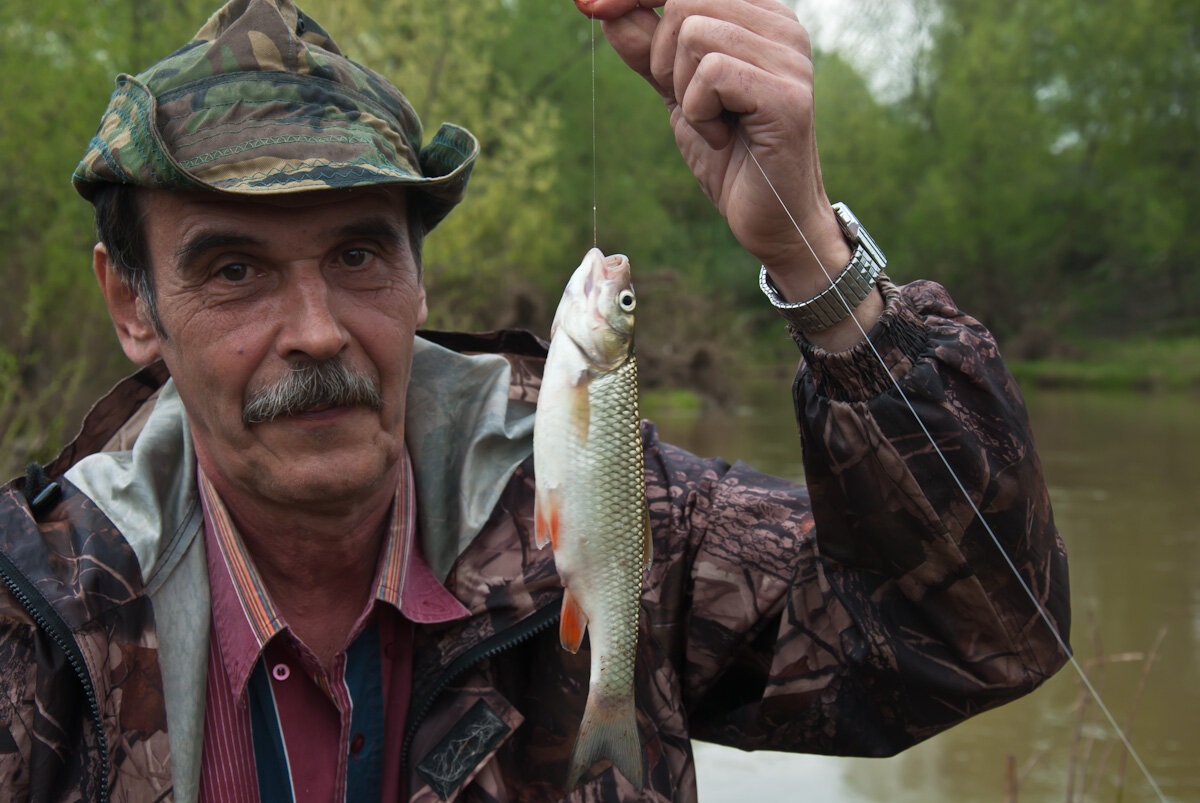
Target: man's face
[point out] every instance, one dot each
(249, 291)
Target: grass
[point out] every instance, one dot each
(1146, 364)
(1088, 774)
(660, 402)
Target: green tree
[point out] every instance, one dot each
(56, 345)
(1052, 161)
(1122, 79)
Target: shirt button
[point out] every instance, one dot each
(356, 744)
(281, 672)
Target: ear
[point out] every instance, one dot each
(137, 334)
(423, 312)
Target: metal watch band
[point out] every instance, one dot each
(848, 289)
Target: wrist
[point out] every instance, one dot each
(811, 267)
(838, 306)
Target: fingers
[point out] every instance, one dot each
(723, 72)
(726, 90)
(632, 36)
(700, 37)
(762, 33)
(747, 29)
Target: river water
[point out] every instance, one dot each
(1124, 476)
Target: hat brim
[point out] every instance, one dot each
(240, 134)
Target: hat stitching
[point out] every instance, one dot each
(348, 138)
(264, 102)
(338, 178)
(100, 146)
(444, 145)
(213, 131)
(203, 131)
(401, 128)
(242, 147)
(272, 77)
(340, 168)
(137, 142)
(291, 40)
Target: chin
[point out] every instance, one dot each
(324, 479)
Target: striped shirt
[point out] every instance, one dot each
(277, 726)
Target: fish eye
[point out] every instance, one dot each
(626, 301)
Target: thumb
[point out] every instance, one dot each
(631, 36)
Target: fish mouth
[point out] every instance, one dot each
(601, 268)
(616, 266)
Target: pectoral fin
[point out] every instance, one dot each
(547, 516)
(573, 623)
(581, 406)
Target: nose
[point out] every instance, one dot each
(311, 324)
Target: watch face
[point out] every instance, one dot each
(855, 232)
(847, 221)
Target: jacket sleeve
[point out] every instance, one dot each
(883, 611)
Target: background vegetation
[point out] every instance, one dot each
(1039, 158)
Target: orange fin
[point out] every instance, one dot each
(581, 407)
(547, 517)
(574, 622)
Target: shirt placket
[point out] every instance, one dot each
(335, 689)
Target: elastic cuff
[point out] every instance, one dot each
(856, 374)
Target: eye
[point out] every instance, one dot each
(234, 273)
(355, 257)
(626, 301)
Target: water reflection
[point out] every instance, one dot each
(1124, 473)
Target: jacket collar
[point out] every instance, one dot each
(465, 434)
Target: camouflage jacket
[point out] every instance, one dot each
(857, 616)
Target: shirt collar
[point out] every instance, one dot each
(245, 618)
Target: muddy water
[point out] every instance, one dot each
(1124, 474)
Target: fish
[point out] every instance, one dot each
(591, 500)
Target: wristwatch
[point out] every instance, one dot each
(849, 288)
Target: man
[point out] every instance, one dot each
(302, 566)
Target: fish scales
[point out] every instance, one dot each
(591, 500)
(612, 468)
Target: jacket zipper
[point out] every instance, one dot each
(52, 624)
(541, 619)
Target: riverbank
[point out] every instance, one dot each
(1142, 364)
(1147, 365)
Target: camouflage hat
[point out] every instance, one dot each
(261, 101)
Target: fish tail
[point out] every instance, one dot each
(608, 730)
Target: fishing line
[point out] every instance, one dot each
(595, 184)
(979, 516)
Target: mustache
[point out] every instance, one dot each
(310, 385)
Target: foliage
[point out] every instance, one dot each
(1160, 363)
(1051, 161)
(56, 346)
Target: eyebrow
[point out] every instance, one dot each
(189, 253)
(375, 229)
(192, 249)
